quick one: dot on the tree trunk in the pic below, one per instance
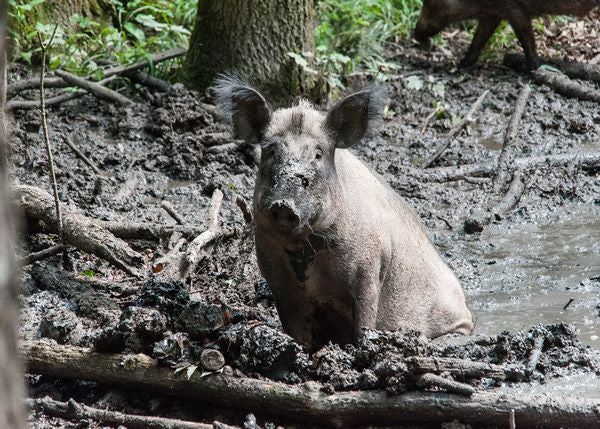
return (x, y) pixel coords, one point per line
(251, 39)
(11, 389)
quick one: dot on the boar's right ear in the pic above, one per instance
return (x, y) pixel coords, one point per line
(350, 119)
(244, 107)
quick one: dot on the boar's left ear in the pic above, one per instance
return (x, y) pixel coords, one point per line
(245, 108)
(350, 119)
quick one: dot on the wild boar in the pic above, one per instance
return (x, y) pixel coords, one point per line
(338, 247)
(437, 14)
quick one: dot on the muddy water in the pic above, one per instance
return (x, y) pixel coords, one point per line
(532, 270)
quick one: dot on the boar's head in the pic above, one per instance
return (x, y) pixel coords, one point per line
(432, 20)
(297, 183)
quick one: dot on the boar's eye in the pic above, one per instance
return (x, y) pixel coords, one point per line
(319, 153)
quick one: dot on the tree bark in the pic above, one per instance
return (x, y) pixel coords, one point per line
(251, 39)
(306, 402)
(11, 384)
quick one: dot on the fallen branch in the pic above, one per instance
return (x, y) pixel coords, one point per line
(470, 117)
(172, 212)
(214, 231)
(79, 231)
(461, 369)
(243, 206)
(52, 101)
(94, 88)
(446, 174)
(573, 69)
(479, 218)
(82, 156)
(148, 231)
(148, 80)
(72, 410)
(57, 82)
(42, 254)
(432, 381)
(307, 402)
(563, 85)
(507, 155)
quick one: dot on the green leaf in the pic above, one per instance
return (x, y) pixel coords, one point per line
(414, 82)
(135, 31)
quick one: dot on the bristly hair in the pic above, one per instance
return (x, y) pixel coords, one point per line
(226, 87)
(377, 101)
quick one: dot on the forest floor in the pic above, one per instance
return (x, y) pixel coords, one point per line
(517, 274)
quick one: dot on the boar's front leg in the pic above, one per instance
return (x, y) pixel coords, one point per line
(522, 26)
(367, 290)
(485, 29)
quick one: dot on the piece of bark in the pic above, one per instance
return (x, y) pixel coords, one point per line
(148, 80)
(72, 410)
(311, 405)
(79, 231)
(486, 169)
(57, 82)
(94, 88)
(470, 117)
(82, 156)
(536, 353)
(429, 381)
(509, 143)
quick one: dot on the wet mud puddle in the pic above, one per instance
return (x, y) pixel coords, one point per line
(532, 270)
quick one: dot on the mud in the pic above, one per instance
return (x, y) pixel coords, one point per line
(517, 275)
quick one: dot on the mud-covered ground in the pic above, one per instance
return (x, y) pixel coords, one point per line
(518, 274)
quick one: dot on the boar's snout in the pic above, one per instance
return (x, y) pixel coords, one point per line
(283, 216)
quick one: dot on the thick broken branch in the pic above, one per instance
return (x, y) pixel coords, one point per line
(79, 231)
(72, 410)
(486, 169)
(148, 231)
(461, 369)
(307, 402)
(470, 117)
(42, 254)
(433, 381)
(94, 88)
(507, 155)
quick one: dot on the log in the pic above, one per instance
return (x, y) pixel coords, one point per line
(470, 117)
(507, 154)
(73, 410)
(307, 402)
(79, 231)
(563, 85)
(94, 88)
(446, 174)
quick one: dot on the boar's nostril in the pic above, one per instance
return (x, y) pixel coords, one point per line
(283, 216)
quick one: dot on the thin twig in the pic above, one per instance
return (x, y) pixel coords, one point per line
(511, 420)
(172, 212)
(44, 48)
(427, 120)
(470, 117)
(82, 156)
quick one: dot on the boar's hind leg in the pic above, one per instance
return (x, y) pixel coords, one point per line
(485, 29)
(522, 27)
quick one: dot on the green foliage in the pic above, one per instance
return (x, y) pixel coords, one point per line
(90, 273)
(135, 29)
